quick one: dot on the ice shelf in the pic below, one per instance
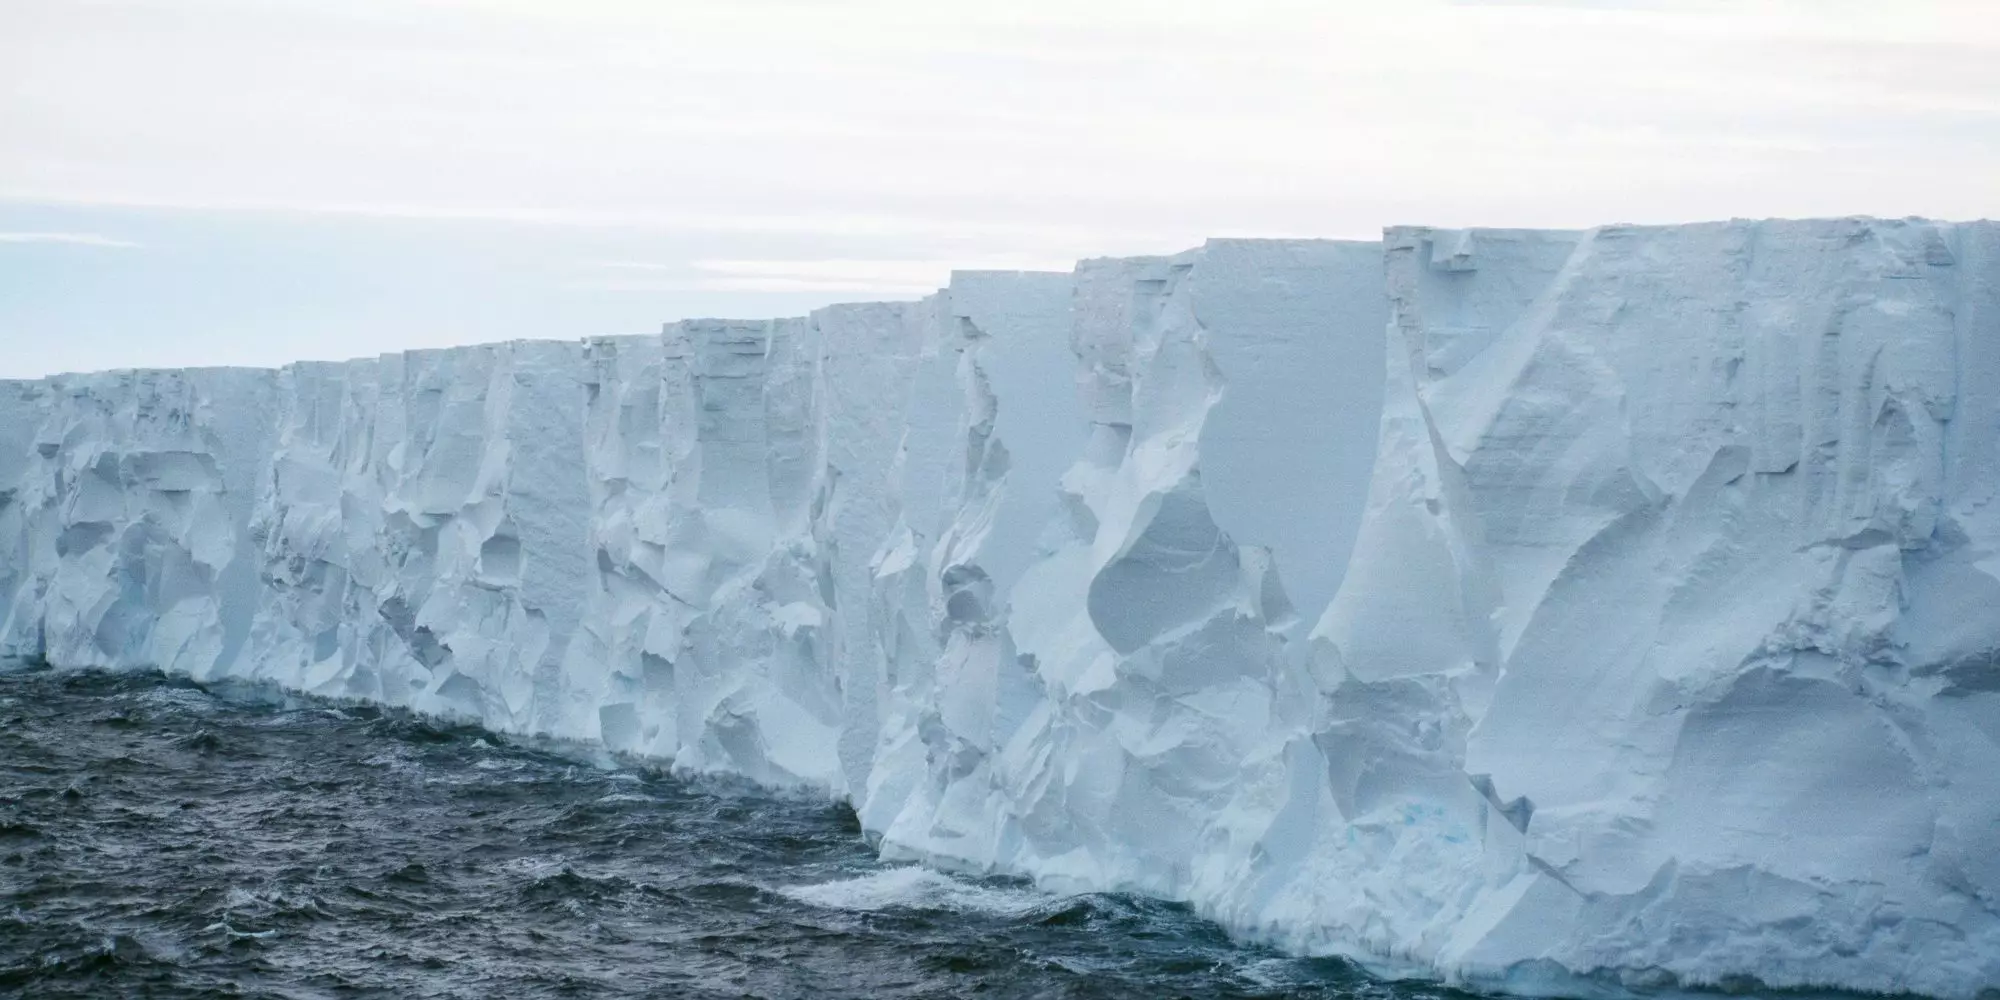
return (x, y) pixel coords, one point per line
(1554, 612)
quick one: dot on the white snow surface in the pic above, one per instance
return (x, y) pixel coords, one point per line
(1555, 612)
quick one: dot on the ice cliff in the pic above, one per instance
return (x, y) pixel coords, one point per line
(1561, 612)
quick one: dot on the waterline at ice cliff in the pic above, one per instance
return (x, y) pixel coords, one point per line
(1628, 616)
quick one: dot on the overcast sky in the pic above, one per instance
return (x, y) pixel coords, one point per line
(247, 181)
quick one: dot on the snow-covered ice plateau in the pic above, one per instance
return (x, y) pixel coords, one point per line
(1553, 612)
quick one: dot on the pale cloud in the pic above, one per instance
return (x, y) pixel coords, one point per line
(1063, 128)
(636, 265)
(888, 277)
(885, 278)
(70, 239)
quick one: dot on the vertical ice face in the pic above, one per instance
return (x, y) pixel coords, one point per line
(1676, 541)
(1614, 603)
(424, 527)
(130, 504)
(1021, 421)
(1004, 418)
(1287, 449)
(23, 406)
(866, 364)
(1095, 722)
(744, 649)
(635, 439)
(318, 517)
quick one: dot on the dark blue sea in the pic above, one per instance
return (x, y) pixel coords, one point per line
(159, 838)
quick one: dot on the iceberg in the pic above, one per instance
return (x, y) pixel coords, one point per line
(1556, 612)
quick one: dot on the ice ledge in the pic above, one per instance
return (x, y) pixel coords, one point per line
(1622, 620)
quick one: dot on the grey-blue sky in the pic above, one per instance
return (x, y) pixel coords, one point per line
(322, 179)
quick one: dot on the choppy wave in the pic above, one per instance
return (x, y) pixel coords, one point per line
(162, 839)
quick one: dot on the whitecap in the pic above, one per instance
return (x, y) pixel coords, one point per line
(627, 797)
(917, 889)
(533, 867)
(235, 935)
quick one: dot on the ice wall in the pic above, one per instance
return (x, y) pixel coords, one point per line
(1692, 530)
(1550, 611)
(128, 496)
(421, 531)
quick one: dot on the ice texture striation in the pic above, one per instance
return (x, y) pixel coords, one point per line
(1558, 612)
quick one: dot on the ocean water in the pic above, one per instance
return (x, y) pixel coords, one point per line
(163, 839)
